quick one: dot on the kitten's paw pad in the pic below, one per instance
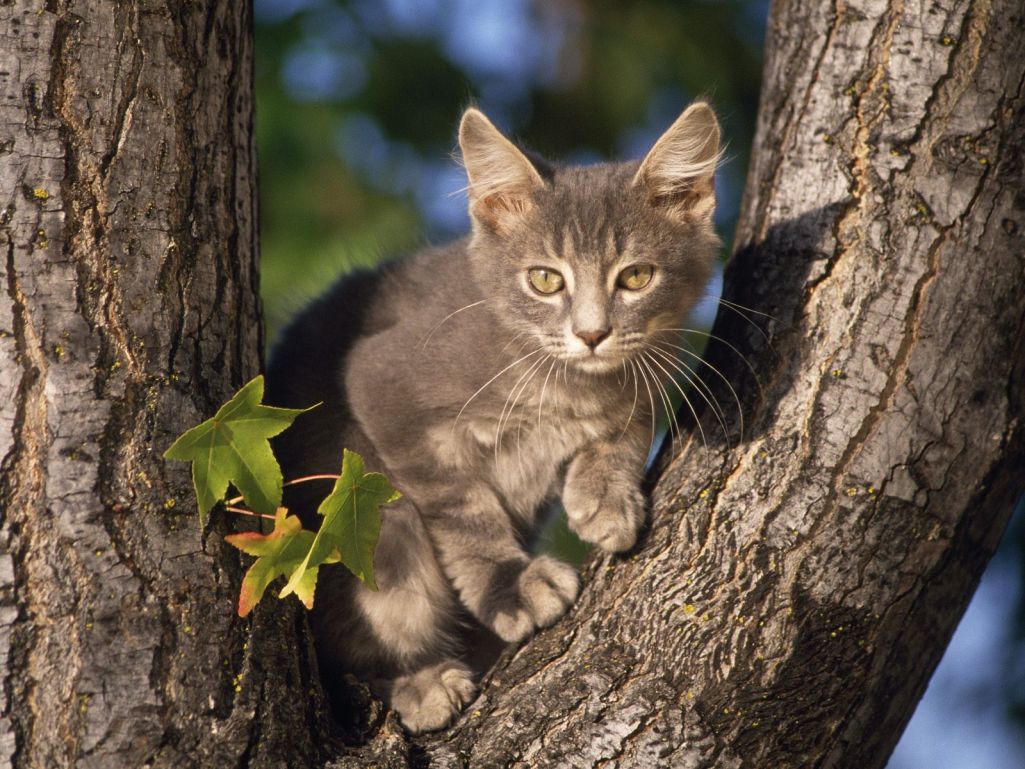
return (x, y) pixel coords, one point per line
(540, 595)
(610, 522)
(430, 698)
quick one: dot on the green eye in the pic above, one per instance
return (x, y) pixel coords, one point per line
(545, 281)
(635, 277)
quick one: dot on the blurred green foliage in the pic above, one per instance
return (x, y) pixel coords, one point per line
(358, 103)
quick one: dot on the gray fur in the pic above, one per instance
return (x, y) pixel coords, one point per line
(480, 399)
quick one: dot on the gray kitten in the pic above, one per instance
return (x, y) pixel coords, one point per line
(487, 377)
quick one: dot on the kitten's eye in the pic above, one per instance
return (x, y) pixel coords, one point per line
(635, 277)
(545, 281)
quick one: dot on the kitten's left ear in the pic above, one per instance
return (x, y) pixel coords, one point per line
(502, 179)
(678, 174)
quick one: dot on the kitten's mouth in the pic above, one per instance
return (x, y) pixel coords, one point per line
(596, 362)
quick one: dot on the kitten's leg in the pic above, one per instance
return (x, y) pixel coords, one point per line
(401, 636)
(502, 586)
(602, 494)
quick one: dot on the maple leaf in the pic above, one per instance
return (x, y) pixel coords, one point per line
(279, 553)
(233, 446)
(351, 525)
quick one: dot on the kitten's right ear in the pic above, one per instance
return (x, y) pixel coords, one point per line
(678, 174)
(501, 178)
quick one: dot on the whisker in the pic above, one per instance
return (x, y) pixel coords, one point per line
(496, 376)
(690, 375)
(651, 402)
(565, 377)
(558, 392)
(633, 407)
(668, 405)
(664, 398)
(757, 328)
(697, 384)
(728, 303)
(515, 390)
(717, 372)
(427, 339)
(541, 400)
(508, 344)
(519, 424)
(686, 400)
(738, 353)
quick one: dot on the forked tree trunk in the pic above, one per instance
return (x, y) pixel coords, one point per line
(128, 311)
(796, 587)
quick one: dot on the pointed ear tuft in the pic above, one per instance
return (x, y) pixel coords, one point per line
(501, 178)
(678, 174)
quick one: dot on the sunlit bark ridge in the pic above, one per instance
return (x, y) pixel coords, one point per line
(799, 585)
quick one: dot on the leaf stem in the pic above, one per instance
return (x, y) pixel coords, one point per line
(243, 511)
(304, 479)
(324, 477)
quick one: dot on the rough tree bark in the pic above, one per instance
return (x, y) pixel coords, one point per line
(128, 312)
(796, 590)
(796, 586)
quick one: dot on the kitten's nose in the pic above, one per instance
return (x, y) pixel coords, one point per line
(593, 338)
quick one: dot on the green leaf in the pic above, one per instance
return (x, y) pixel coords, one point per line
(280, 553)
(351, 525)
(233, 446)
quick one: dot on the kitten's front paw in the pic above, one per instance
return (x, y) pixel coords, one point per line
(429, 698)
(606, 513)
(539, 595)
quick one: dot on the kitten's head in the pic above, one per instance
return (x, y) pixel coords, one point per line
(591, 262)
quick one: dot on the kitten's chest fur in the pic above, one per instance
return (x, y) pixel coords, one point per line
(520, 439)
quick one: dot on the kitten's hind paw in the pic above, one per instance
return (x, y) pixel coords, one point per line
(540, 595)
(431, 697)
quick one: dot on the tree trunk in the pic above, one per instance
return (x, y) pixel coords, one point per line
(128, 312)
(799, 583)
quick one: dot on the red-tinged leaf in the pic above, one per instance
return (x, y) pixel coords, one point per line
(279, 553)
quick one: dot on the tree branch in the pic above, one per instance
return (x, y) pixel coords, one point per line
(797, 587)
